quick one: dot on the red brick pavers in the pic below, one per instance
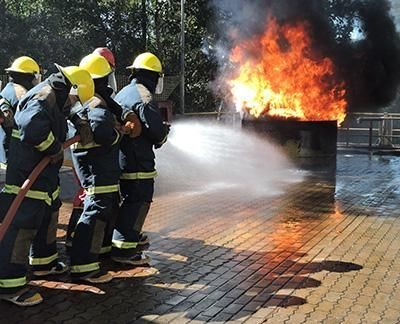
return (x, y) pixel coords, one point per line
(322, 251)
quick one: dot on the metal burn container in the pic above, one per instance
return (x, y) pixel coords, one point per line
(310, 144)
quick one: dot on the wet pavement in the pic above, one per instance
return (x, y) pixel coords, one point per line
(326, 249)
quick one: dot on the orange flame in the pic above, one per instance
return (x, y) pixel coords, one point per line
(277, 76)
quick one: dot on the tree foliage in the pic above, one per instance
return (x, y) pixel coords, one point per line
(64, 31)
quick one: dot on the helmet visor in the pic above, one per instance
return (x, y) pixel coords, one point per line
(112, 82)
(160, 84)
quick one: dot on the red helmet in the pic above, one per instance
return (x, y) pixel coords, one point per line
(107, 54)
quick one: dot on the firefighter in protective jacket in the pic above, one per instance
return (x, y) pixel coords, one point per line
(79, 198)
(97, 167)
(39, 131)
(137, 158)
(24, 74)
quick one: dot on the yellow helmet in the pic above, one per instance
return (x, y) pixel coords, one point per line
(147, 61)
(80, 80)
(96, 65)
(24, 64)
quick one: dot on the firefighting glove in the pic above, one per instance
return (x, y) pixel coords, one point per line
(7, 117)
(132, 126)
(81, 123)
(58, 157)
(84, 131)
(72, 106)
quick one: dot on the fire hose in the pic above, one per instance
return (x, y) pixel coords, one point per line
(25, 188)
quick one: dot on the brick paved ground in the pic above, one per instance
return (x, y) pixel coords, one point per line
(323, 251)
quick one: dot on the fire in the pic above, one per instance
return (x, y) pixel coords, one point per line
(279, 75)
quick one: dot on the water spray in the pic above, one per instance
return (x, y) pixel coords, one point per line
(208, 157)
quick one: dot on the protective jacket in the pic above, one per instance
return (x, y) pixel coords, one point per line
(96, 164)
(39, 131)
(9, 98)
(137, 155)
(96, 174)
(138, 167)
(104, 157)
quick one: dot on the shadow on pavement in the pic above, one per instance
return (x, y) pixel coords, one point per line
(193, 279)
(228, 286)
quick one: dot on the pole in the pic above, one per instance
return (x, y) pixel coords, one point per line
(183, 56)
(144, 24)
(370, 137)
(25, 188)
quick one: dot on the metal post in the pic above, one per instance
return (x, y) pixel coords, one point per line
(183, 56)
(390, 133)
(370, 137)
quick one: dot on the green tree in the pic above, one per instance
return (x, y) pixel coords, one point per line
(164, 40)
(64, 31)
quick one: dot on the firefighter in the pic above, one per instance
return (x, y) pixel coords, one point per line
(80, 195)
(137, 158)
(24, 74)
(39, 131)
(97, 166)
(107, 92)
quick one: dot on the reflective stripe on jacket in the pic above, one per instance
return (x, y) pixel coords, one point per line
(138, 175)
(34, 194)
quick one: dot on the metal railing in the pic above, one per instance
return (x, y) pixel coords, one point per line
(375, 131)
(372, 131)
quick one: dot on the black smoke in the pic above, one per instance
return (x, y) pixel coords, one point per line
(358, 35)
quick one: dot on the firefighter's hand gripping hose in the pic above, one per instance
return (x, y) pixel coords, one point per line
(26, 186)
